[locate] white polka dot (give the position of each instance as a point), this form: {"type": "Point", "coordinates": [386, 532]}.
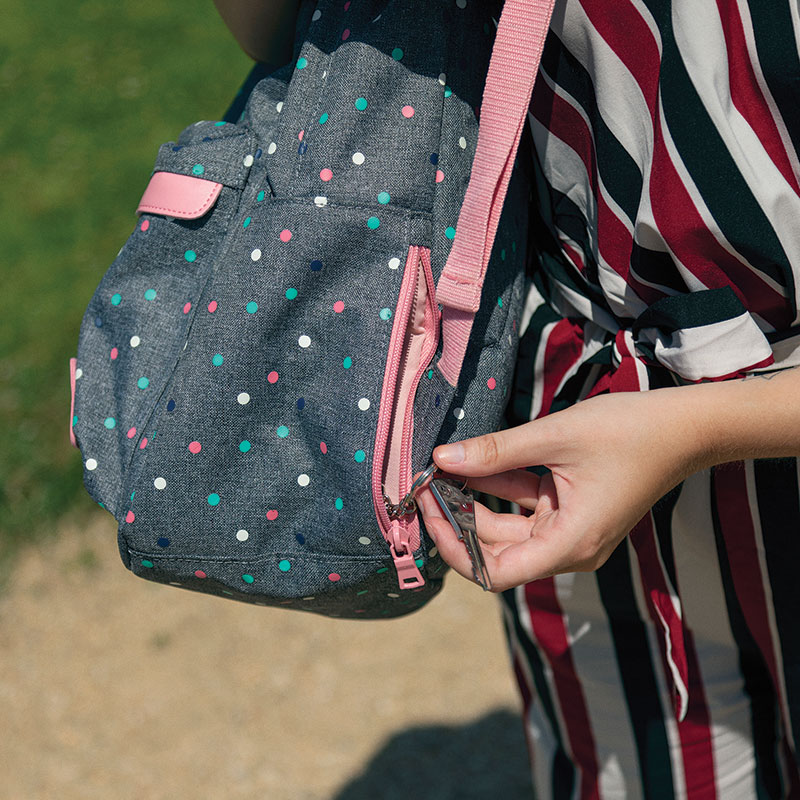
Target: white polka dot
{"type": "Point", "coordinates": [160, 483]}
{"type": "Point", "coordinates": [392, 594]}
{"type": "Point", "coordinates": [255, 255]}
{"type": "Point", "coordinates": [364, 540]}
{"type": "Point", "coordinates": [363, 404]}
{"type": "Point", "coordinates": [461, 3]}
{"type": "Point", "coordinates": [304, 341]}
{"type": "Point", "coordinates": [279, 107]}
{"type": "Point", "coordinates": [91, 464]}
{"type": "Point", "coordinates": [135, 341]}
{"type": "Point", "coordinates": [243, 398]}
{"type": "Point", "coordinates": [358, 158]}
{"type": "Point", "coordinates": [394, 263]}
{"type": "Point", "coordinates": [303, 479]}
{"type": "Point", "coordinates": [462, 143]}
{"type": "Point", "coordinates": [433, 552]}
{"type": "Point", "coordinates": [320, 201]}
{"type": "Point", "coordinates": [242, 535]}
{"type": "Point", "coordinates": [442, 78]}
{"type": "Point", "coordinates": [458, 412]}
{"type": "Point", "coordinates": [316, 15]}
{"type": "Point", "coordinates": [248, 160]}
{"type": "Point", "coordinates": [325, 74]}
{"type": "Point", "coordinates": [78, 374]}
{"type": "Point", "coordinates": [272, 148]}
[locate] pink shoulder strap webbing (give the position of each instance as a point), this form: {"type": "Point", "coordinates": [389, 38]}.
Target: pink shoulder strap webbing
{"type": "Point", "coordinates": [509, 82]}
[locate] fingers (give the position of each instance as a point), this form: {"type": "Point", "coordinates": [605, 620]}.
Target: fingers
{"type": "Point", "coordinates": [517, 486]}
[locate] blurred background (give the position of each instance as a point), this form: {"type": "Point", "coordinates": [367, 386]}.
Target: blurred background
{"type": "Point", "coordinates": [109, 686]}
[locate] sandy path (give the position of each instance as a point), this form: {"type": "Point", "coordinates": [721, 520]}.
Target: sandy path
{"type": "Point", "coordinates": [115, 688]}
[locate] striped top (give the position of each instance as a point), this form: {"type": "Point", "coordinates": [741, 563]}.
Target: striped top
{"type": "Point", "coordinates": [666, 141]}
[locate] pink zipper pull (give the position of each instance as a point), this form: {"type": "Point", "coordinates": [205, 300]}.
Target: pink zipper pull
{"type": "Point", "coordinates": [408, 574]}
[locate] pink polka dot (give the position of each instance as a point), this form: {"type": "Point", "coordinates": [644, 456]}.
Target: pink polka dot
{"type": "Point", "coordinates": [301, 135]}
{"type": "Point", "coordinates": [338, 306]}
{"type": "Point", "coordinates": [272, 377]}
{"type": "Point", "coordinates": [408, 111]}
{"type": "Point", "coordinates": [187, 308]}
{"type": "Point", "coordinates": [439, 176]}
{"type": "Point", "coordinates": [143, 443]}
{"type": "Point", "coordinates": [323, 447]}
{"type": "Point", "coordinates": [345, 34]}
{"type": "Point", "coordinates": [272, 514]}
{"type": "Point", "coordinates": [195, 447]}
{"type": "Point", "coordinates": [334, 576]}
{"type": "Point", "coordinates": [491, 383]}
{"type": "Point", "coordinates": [130, 517]}
{"type": "Point", "coordinates": [145, 224]}
{"type": "Point", "coordinates": [347, 5]}
{"type": "Point", "coordinates": [212, 306]}
{"type": "Point", "coordinates": [200, 574]}
{"type": "Point", "coordinates": [114, 353]}
{"type": "Point", "coordinates": [325, 174]}
{"type": "Point", "coordinates": [131, 433]}
{"type": "Point", "coordinates": [285, 235]}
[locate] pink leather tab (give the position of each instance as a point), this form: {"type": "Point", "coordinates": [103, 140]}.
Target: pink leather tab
{"type": "Point", "coordinates": [73, 369]}
{"type": "Point", "coordinates": [181, 196]}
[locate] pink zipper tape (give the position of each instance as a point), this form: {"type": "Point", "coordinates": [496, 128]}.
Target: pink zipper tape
{"type": "Point", "coordinates": [73, 371]}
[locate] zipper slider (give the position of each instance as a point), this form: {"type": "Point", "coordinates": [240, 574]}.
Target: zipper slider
{"type": "Point", "coordinates": [408, 574]}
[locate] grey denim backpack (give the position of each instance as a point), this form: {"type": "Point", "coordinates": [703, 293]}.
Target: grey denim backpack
{"type": "Point", "coordinates": [276, 351]}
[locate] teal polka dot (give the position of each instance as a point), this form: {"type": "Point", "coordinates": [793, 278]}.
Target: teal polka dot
{"type": "Point", "coordinates": [447, 91]}
{"type": "Point", "coordinates": [384, 198]}
{"type": "Point", "coordinates": [252, 307]}
{"type": "Point", "coordinates": [260, 196]}
{"type": "Point", "coordinates": [373, 223]}
{"type": "Point", "coordinates": [284, 565]}
{"type": "Point", "coordinates": [245, 446]}
{"type": "Point", "coordinates": [247, 221]}
{"type": "Point", "coordinates": [361, 103]}
{"type": "Point", "coordinates": [323, 119]}
{"type": "Point", "coordinates": [513, 247]}
{"type": "Point", "coordinates": [217, 360]}
{"type": "Point", "coordinates": [450, 233]}
{"type": "Point", "coordinates": [75, 420]}
{"type": "Point", "coordinates": [359, 456]}
{"type": "Point", "coordinates": [282, 431]}
{"type": "Point", "coordinates": [302, 63]}
{"type": "Point", "coordinates": [347, 363]}
{"type": "Point", "coordinates": [291, 294]}
{"type": "Point", "coordinates": [339, 503]}
{"type": "Point", "coordinates": [500, 301]}
{"type": "Point", "coordinates": [116, 299]}
{"type": "Point", "coordinates": [198, 169]}
{"type": "Point", "coordinates": [110, 422]}
{"type": "Point", "coordinates": [430, 374]}
{"type": "Point", "coordinates": [247, 578]}
{"type": "Point", "coordinates": [218, 124]}
{"type": "Point", "coordinates": [420, 562]}
{"type": "Point", "coordinates": [397, 53]}
{"type": "Point", "coordinates": [150, 294]}
{"type": "Point", "coordinates": [147, 563]}
{"type": "Point", "coordinates": [213, 499]}
{"type": "Point", "coordinates": [385, 314]}
{"type": "Point", "coordinates": [503, 254]}
{"type": "Point", "coordinates": [190, 255]}
{"type": "Point", "coordinates": [143, 382]}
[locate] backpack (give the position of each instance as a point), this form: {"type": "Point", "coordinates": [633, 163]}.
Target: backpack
{"type": "Point", "coordinates": [278, 347]}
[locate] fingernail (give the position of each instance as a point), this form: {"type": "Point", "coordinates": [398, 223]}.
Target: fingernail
{"type": "Point", "coordinates": [450, 454]}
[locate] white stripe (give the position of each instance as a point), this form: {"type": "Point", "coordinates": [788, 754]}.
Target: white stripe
{"type": "Point", "coordinates": [701, 41]}
{"type": "Point", "coordinates": [594, 657]}
{"type": "Point", "coordinates": [705, 613]}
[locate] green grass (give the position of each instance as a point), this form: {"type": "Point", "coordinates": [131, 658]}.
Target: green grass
{"type": "Point", "coordinates": [88, 91]}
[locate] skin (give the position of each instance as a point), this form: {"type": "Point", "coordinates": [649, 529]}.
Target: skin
{"type": "Point", "coordinates": [610, 458]}
{"type": "Point", "coordinates": [264, 30]}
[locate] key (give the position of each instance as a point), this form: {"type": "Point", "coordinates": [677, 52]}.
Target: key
{"type": "Point", "coordinates": [458, 507]}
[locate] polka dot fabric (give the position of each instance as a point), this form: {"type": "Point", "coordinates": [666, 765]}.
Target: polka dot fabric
{"type": "Point", "coordinates": [255, 390]}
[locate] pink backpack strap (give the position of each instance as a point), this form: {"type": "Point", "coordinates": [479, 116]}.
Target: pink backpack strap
{"type": "Point", "coordinates": [506, 96]}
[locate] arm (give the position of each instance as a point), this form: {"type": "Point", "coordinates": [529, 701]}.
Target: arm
{"type": "Point", "coordinates": [263, 28]}
{"type": "Point", "coordinates": [610, 458]}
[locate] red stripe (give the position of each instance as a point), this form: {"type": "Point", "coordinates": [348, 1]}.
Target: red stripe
{"type": "Point", "coordinates": [547, 620]}
{"type": "Point", "coordinates": [742, 546]}
{"type": "Point", "coordinates": [746, 93]}
{"type": "Point", "coordinates": [563, 349]}
{"type": "Point", "coordinates": [684, 230]}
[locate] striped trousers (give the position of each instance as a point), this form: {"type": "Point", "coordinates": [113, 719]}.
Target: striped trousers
{"type": "Point", "coordinates": [589, 660]}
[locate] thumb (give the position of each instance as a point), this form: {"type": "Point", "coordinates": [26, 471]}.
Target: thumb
{"type": "Point", "coordinates": [523, 446]}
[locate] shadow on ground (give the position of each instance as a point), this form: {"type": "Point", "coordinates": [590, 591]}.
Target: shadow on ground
{"type": "Point", "coordinates": [485, 758]}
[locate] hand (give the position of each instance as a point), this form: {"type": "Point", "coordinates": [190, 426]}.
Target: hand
{"type": "Point", "coordinates": [610, 458]}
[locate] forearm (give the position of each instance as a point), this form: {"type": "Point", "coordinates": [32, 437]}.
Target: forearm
{"type": "Point", "coordinates": [263, 28]}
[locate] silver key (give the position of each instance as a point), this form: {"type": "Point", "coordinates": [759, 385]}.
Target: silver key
{"type": "Point", "coordinates": [457, 504]}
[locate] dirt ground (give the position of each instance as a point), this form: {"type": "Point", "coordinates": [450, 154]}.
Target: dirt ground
{"type": "Point", "coordinates": [112, 687]}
